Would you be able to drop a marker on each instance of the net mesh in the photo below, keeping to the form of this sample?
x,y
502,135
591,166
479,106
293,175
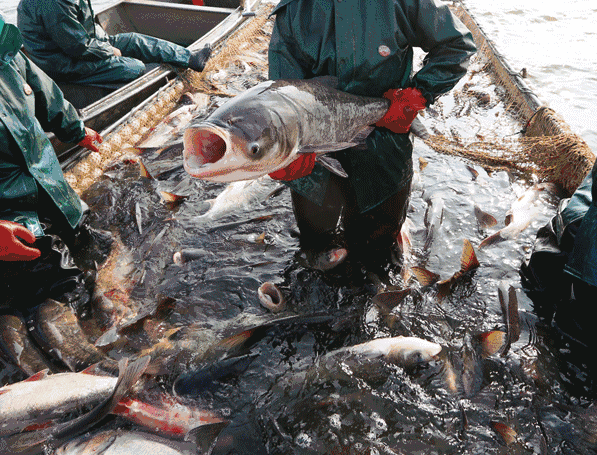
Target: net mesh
x,y
547,148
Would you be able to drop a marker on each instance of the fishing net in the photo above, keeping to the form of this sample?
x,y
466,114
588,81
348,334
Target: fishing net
x,y
544,147
547,146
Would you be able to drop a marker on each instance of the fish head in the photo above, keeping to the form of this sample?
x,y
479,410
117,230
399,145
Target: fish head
x,y
411,351
240,143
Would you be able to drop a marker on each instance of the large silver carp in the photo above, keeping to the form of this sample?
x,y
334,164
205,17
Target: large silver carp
x,y
265,129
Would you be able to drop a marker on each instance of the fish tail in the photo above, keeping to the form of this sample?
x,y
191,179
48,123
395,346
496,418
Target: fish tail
x,y
424,276
128,376
468,260
205,436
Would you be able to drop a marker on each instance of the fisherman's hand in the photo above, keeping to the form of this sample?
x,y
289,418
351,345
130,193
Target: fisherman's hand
x,y
300,167
11,247
91,138
117,52
404,107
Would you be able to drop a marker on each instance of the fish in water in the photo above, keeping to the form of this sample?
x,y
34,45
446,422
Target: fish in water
x,y
468,263
484,219
267,127
271,297
22,403
57,331
165,414
117,442
522,213
403,351
366,360
434,216
45,397
17,347
237,196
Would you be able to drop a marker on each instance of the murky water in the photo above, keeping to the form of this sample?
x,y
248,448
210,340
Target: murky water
x,y
453,405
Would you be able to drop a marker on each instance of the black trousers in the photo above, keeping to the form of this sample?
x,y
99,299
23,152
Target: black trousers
x,y
369,236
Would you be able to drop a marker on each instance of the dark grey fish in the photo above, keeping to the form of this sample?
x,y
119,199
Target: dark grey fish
x,y
16,346
56,329
267,127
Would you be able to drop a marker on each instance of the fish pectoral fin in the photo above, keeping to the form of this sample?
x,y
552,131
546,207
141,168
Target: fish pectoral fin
x,y
326,148
332,165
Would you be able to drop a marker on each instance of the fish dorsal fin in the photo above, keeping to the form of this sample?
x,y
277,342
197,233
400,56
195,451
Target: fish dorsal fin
x,y
424,276
468,260
37,376
387,301
143,171
327,81
93,370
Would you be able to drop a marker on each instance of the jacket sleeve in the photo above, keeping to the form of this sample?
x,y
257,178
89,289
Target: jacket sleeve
x,y
65,29
431,26
53,112
285,60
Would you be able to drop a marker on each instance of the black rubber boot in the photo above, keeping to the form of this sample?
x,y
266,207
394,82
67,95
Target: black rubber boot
x,y
199,58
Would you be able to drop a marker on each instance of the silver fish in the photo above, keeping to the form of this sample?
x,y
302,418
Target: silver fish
x,y
434,217
237,196
270,125
45,397
33,441
120,442
522,213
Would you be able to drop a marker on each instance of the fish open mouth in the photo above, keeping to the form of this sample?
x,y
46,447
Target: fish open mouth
x,y
203,146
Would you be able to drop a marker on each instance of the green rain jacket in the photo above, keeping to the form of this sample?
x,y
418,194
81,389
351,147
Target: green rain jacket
x,y
369,45
31,103
62,33
582,263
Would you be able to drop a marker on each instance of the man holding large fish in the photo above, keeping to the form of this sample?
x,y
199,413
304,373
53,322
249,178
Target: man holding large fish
x,y
280,127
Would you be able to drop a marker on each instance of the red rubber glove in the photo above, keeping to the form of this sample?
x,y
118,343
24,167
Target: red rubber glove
x,y
91,137
300,167
11,248
405,104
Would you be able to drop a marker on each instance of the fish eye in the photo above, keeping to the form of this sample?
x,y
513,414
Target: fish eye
x,y
254,148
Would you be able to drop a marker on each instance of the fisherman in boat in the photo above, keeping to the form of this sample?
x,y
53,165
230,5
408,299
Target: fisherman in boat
x,y
63,39
369,47
37,206
560,276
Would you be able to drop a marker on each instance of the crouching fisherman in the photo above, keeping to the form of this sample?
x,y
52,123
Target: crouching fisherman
x,y
561,274
37,206
63,39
